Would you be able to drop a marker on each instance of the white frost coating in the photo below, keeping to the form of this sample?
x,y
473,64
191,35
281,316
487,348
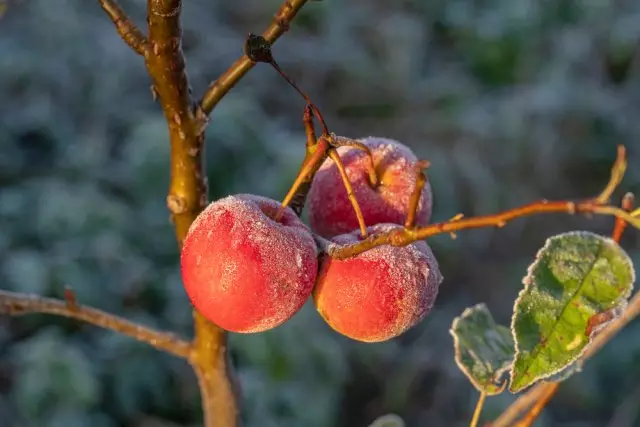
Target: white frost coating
x,y
527,281
331,212
412,269
298,259
281,254
499,372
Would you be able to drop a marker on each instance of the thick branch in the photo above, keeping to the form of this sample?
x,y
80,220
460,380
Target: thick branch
x,y
166,65
187,197
15,304
218,89
126,28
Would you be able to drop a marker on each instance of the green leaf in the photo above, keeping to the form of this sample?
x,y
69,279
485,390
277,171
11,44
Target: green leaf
x,y
576,276
389,420
483,349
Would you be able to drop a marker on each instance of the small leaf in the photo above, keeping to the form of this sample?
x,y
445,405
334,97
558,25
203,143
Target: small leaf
x,y
389,420
576,276
483,349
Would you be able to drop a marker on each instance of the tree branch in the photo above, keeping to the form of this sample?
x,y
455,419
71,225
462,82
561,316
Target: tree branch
x,y
187,197
402,237
16,304
548,391
125,27
405,236
218,89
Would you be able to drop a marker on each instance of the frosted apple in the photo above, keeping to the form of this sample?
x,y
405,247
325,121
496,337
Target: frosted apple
x,y
379,294
245,271
331,212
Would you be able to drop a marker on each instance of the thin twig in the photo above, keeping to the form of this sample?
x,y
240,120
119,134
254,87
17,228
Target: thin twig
x,y
627,204
129,32
478,410
550,390
218,89
402,237
405,236
539,395
16,304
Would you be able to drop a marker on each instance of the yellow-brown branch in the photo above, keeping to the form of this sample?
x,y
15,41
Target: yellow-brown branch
x,y
17,304
218,89
129,32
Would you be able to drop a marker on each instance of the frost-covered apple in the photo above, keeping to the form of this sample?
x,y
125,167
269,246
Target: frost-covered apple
x,y
331,212
245,271
379,294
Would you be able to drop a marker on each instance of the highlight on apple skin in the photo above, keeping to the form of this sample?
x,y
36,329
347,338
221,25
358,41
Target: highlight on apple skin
x,y
244,271
331,212
379,294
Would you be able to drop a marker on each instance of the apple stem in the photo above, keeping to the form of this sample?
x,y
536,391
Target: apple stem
x,y
341,141
333,154
421,180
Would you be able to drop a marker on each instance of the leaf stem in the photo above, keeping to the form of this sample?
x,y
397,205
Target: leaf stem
x,y
476,413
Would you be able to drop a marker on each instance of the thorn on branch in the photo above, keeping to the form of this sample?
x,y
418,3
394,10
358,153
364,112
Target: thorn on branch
x,y
70,298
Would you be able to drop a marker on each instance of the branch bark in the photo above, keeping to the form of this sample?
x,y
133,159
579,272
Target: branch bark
x,y
125,27
218,89
187,197
16,304
404,236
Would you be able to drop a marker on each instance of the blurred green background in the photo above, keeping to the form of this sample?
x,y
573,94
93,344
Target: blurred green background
x,y
511,100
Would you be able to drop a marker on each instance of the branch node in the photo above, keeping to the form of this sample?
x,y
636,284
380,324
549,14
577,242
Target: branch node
x,y
177,205
129,32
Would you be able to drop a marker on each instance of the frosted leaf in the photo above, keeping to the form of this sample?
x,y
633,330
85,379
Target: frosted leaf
x,y
483,349
576,281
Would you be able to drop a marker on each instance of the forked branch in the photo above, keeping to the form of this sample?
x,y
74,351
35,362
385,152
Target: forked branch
x,y
405,236
129,32
17,304
228,80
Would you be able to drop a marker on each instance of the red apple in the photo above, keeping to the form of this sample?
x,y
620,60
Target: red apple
x,y
245,271
331,212
379,294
